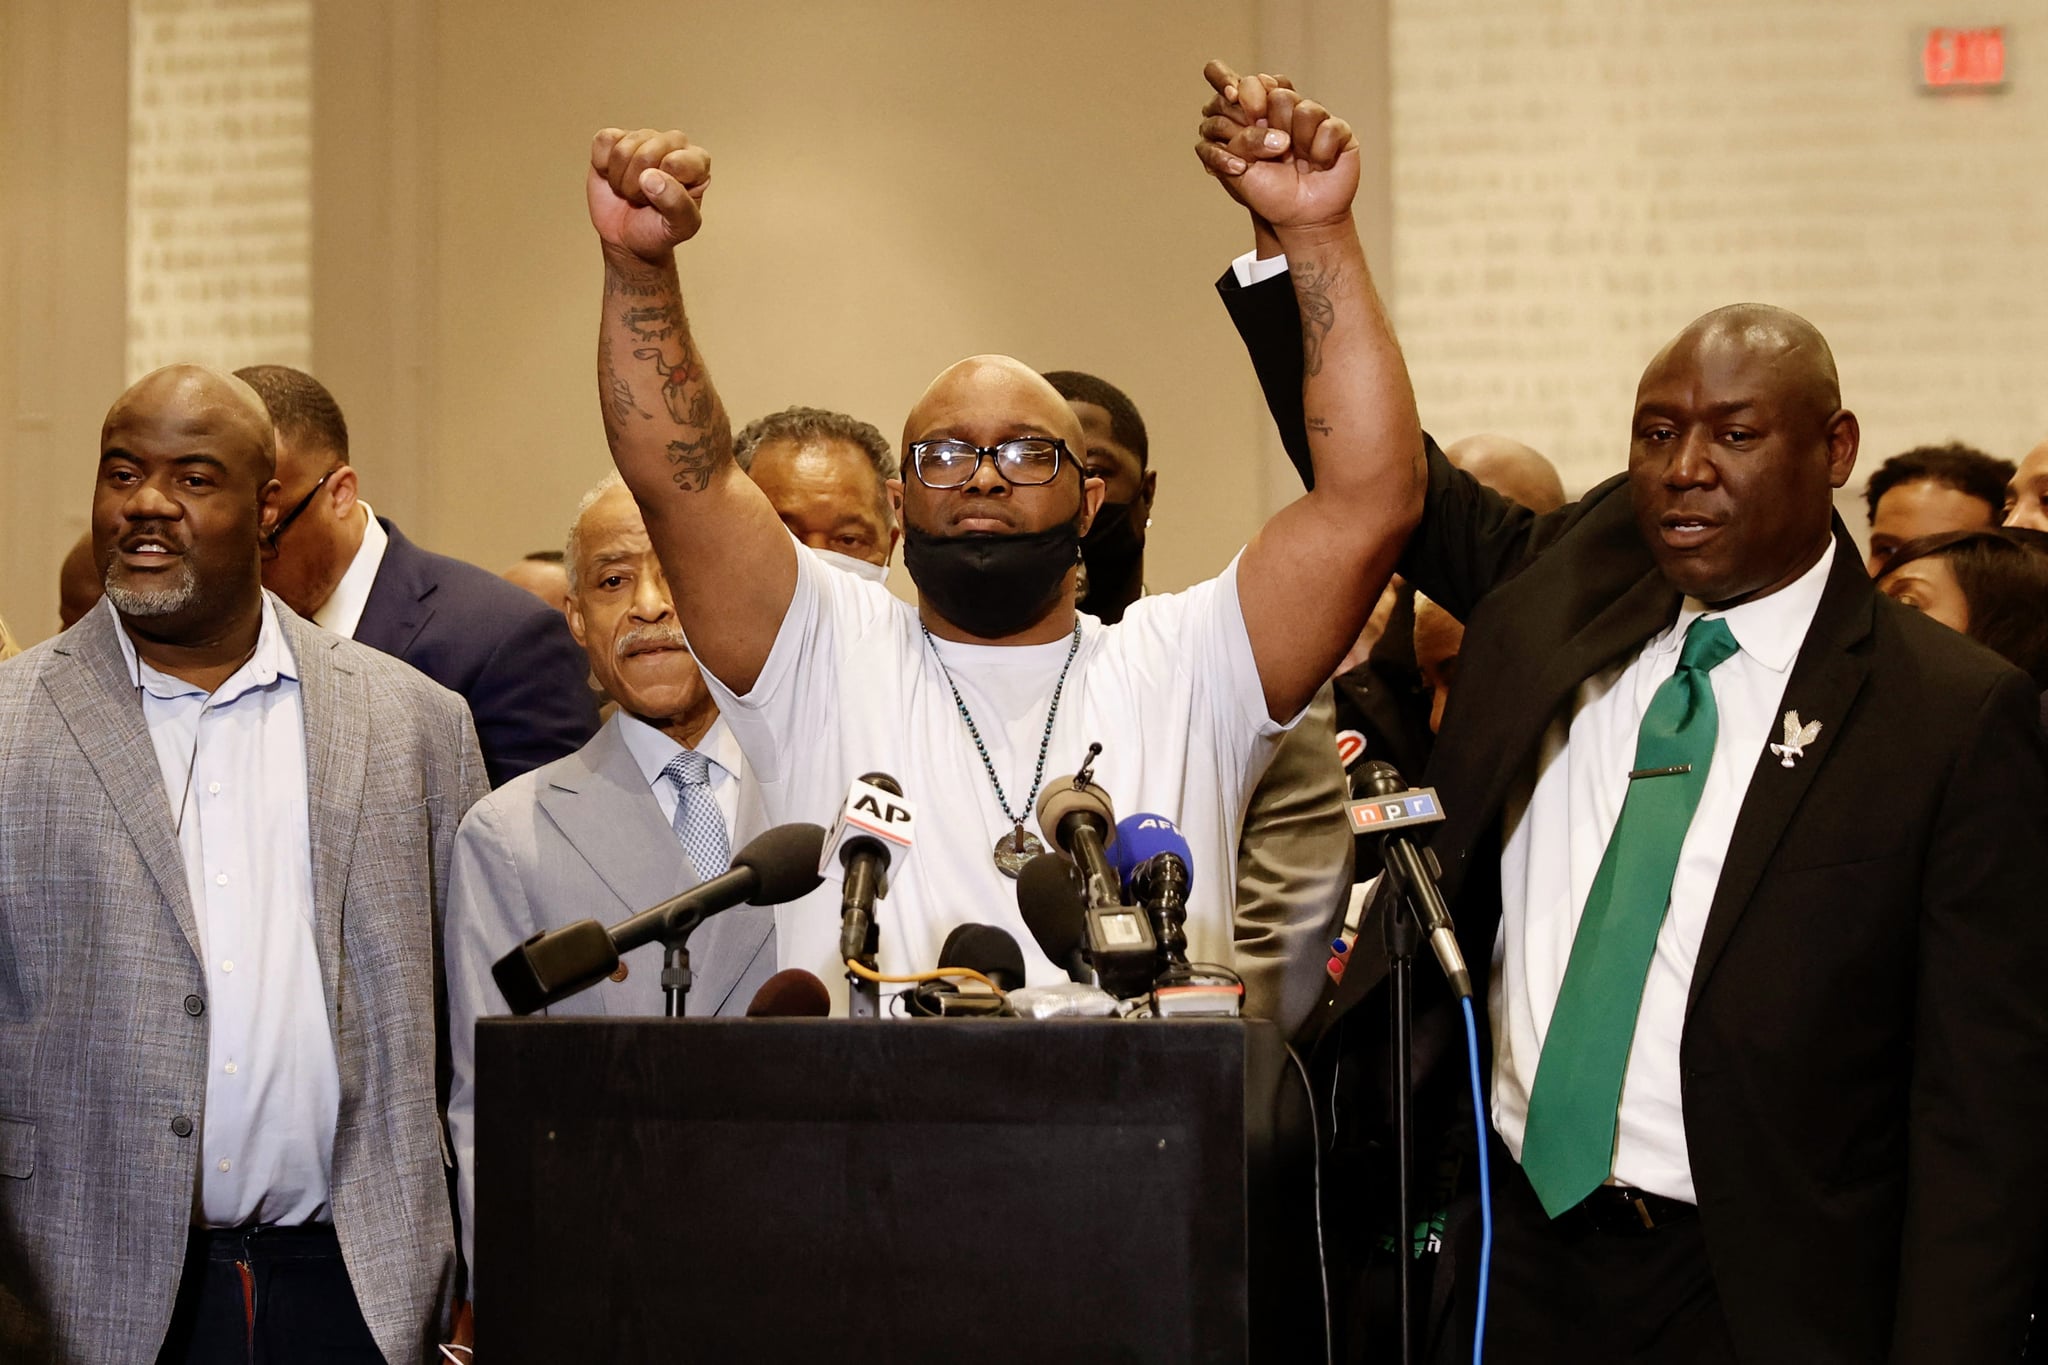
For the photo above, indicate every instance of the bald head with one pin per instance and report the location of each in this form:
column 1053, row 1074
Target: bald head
column 1788, row 351
column 987, row 389
column 1511, row 469
column 201, row 402
column 2026, row 498
column 1739, row 440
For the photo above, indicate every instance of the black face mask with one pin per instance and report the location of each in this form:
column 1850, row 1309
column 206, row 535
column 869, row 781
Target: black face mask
column 1113, row 550
column 991, row 585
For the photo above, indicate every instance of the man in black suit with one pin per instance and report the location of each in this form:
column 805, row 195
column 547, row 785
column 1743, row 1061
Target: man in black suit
column 1824, row 1133
column 344, row 568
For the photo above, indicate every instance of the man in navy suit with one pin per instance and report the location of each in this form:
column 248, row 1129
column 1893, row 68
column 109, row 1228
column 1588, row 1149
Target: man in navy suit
column 342, row 567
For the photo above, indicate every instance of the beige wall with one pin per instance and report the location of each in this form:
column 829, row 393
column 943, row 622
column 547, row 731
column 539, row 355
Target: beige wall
column 896, row 185
column 63, row 243
column 1574, row 181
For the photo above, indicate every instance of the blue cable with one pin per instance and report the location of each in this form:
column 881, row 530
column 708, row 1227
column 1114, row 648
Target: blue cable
column 1485, row 1183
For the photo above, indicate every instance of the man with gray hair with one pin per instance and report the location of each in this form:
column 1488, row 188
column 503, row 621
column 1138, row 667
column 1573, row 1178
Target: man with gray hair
column 829, row 477
column 654, row 803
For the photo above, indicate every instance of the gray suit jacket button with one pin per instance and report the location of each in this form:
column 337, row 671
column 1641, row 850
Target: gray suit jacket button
column 182, row 1126
column 194, row 1006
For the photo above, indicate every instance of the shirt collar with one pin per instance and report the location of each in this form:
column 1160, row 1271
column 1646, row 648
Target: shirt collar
column 271, row 661
column 1768, row 629
column 342, row 612
column 652, row 750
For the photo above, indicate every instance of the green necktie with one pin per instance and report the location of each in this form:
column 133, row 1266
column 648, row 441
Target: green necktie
column 1568, row 1146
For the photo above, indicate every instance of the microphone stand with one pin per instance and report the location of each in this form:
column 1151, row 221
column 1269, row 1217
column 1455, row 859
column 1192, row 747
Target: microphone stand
column 1402, row 935
column 675, row 956
column 864, row 997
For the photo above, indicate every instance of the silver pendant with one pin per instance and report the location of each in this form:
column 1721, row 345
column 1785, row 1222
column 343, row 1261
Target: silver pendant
column 1014, row 850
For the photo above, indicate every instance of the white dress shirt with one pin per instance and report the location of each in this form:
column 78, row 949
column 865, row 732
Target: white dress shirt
column 342, row 612
column 234, row 770
column 652, row 750
column 1555, row 834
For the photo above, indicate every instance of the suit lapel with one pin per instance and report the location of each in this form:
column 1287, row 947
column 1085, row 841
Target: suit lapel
column 397, row 609
column 335, row 774
column 729, row 943
column 1520, row 710
column 602, row 805
column 1825, row 679
column 89, row 684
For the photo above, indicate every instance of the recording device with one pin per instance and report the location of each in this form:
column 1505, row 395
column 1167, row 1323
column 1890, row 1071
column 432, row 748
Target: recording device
column 1156, row 866
column 778, row 865
column 872, row 831
column 791, row 993
column 1052, row 895
column 978, row 947
column 1385, row 806
column 1108, row 944
column 1076, row 815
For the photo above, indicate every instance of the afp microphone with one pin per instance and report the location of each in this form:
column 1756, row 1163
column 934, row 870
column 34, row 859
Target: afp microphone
column 873, row 830
column 778, row 865
column 1386, row 805
column 1156, row 868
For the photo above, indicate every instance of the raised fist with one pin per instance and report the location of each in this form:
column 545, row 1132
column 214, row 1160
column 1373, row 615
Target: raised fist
column 1284, row 157
column 646, row 189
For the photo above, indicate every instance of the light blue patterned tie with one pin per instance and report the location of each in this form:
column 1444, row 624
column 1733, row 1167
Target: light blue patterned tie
column 699, row 825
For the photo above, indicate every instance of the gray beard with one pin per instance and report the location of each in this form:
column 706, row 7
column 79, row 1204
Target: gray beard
column 167, row 600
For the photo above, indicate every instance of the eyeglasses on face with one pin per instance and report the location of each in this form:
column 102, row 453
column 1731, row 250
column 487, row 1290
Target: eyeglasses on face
column 299, row 508
column 1024, row 461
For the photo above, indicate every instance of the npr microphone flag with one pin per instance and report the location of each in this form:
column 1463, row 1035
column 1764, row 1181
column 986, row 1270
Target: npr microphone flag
column 1398, row 810
column 869, row 813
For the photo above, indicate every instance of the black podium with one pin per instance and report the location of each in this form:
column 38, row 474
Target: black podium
column 822, row 1190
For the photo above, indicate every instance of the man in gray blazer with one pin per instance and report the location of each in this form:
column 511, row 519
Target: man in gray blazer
column 223, row 836
column 654, row 804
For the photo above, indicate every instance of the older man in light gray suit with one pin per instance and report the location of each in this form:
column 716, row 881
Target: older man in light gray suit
column 223, row 843
column 652, row 805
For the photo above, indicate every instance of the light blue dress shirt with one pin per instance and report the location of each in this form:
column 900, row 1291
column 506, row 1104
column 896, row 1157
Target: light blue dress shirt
column 234, row 770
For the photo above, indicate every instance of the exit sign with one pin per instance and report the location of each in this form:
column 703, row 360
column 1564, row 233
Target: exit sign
column 1962, row 58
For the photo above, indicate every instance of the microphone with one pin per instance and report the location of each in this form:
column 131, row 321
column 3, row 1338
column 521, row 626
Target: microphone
column 1077, row 816
column 1157, row 868
column 873, row 829
column 1388, row 805
column 791, row 993
column 778, row 866
column 979, row 947
column 1053, row 898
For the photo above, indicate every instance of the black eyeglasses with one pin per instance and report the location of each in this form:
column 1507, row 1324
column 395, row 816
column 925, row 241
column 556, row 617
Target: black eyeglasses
column 297, row 511
column 1024, row 461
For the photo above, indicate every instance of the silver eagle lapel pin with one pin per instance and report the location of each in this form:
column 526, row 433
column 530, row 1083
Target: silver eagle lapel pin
column 1797, row 737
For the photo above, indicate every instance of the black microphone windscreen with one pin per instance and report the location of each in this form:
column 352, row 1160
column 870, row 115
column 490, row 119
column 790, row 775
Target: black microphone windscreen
column 786, row 860
column 985, row 949
column 791, row 993
column 1053, row 896
column 1376, row 778
column 884, row 781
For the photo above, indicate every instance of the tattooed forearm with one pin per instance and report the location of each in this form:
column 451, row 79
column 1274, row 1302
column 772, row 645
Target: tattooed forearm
column 653, row 322
column 1314, row 283
column 686, row 429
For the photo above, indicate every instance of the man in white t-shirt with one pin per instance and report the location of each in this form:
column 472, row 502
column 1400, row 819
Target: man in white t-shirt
column 994, row 685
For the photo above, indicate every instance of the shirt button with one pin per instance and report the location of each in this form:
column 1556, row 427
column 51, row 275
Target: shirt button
column 194, row 1006
column 213, row 789
column 224, row 1163
column 227, row 966
column 229, row 1068
column 182, row 1126
column 221, row 880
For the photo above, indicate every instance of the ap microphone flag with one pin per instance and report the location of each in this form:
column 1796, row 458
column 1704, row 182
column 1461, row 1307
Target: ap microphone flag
column 870, row 812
